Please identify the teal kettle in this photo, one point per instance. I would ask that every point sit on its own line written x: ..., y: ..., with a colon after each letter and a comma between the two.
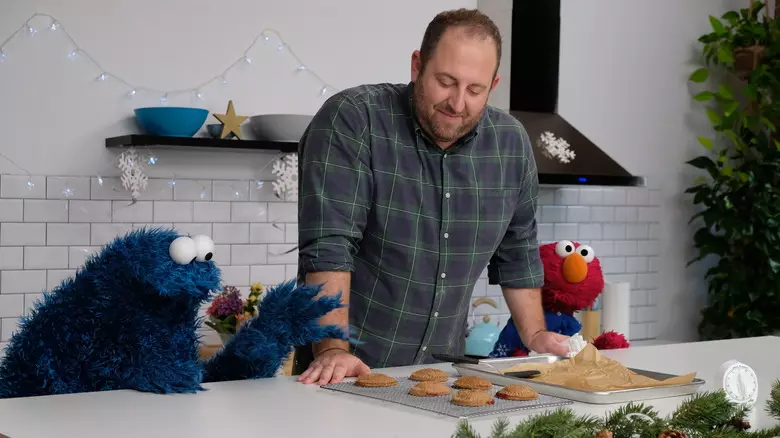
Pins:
x: 482, y: 337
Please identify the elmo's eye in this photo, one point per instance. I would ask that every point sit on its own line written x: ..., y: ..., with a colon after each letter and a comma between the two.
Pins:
x: 204, y: 248
x: 564, y: 248
x: 182, y: 250
x: 587, y: 253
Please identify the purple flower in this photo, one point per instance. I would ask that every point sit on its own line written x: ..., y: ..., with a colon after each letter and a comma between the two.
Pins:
x: 227, y: 303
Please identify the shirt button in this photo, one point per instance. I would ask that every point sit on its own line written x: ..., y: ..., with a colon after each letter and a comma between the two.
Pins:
x: 446, y: 235
x: 424, y: 348
x: 443, y: 275
x: 447, y: 195
x: 436, y: 314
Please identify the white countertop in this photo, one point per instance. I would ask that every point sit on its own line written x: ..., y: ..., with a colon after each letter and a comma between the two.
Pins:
x: 282, y: 407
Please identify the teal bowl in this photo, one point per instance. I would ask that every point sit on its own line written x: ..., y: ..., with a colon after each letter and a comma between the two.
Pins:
x: 170, y: 121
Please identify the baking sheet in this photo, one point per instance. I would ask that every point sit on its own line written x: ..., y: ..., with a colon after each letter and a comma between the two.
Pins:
x: 487, y: 369
x: 443, y: 404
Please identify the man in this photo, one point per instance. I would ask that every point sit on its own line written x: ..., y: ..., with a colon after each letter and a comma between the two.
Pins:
x: 406, y: 194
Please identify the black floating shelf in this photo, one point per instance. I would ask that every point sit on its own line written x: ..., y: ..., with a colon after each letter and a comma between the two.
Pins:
x: 132, y: 140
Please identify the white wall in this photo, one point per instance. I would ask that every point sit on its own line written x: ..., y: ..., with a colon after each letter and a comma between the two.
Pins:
x: 623, y: 83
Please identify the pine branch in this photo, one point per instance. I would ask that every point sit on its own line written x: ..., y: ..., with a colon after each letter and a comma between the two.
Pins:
x: 704, y: 411
x: 773, y: 404
x: 500, y: 428
x: 465, y: 430
x: 634, y: 418
x: 558, y: 423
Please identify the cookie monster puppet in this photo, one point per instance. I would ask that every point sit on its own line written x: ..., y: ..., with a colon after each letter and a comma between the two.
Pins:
x: 128, y: 319
x: 572, y: 281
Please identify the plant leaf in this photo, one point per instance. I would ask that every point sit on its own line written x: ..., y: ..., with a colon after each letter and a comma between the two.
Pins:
x: 714, y: 117
x: 706, y: 142
x: 704, y: 96
x: 724, y: 55
x: 700, y: 75
x: 724, y: 92
x: 717, y: 26
x: 730, y: 107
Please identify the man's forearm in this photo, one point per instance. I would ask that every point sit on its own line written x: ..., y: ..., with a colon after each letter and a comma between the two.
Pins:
x: 333, y: 283
x: 525, y: 306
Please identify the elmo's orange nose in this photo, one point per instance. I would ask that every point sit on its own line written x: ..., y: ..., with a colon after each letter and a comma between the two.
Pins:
x: 575, y: 269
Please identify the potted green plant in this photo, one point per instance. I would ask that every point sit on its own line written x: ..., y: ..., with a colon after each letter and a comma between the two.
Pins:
x: 738, y: 196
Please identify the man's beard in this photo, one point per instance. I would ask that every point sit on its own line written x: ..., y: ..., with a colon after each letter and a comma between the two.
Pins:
x: 439, y: 132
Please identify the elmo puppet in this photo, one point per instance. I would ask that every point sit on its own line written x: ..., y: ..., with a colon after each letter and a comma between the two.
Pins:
x: 572, y: 281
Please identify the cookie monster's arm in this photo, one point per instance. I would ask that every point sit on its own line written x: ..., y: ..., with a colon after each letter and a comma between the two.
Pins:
x: 288, y: 316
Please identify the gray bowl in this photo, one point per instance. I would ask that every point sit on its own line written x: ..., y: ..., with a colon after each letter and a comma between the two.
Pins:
x: 279, y: 127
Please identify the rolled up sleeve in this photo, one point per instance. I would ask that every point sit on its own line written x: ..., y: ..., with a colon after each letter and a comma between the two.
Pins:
x: 335, y: 186
x: 516, y: 263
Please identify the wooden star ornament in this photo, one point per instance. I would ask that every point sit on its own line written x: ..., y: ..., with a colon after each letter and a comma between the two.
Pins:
x: 231, y: 122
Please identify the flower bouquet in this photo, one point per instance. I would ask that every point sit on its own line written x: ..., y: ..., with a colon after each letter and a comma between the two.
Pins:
x: 228, y: 311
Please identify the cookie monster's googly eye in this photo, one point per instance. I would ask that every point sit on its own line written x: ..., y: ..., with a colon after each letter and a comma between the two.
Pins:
x: 587, y: 253
x: 204, y: 248
x: 182, y: 250
x: 564, y: 248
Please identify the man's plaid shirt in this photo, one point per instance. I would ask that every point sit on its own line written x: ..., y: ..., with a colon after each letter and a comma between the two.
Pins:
x: 416, y: 225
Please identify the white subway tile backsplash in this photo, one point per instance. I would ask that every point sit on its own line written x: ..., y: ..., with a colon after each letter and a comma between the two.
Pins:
x: 23, y: 187
x: 16, y: 234
x: 141, y: 211
x: 11, y: 210
x: 11, y: 305
x: 230, y: 233
x: 231, y: 191
x: 49, y: 227
x: 271, y: 233
x: 104, y: 233
x: 11, y: 257
x: 22, y: 282
x: 553, y: 213
x: 59, y: 187
x: 591, y: 196
x: 191, y: 229
x: 249, y: 212
x: 192, y: 190
x: 567, y: 196
x: 45, y: 257
x: 173, y: 211
x: 90, y: 211
x: 211, y: 211
x: 45, y: 210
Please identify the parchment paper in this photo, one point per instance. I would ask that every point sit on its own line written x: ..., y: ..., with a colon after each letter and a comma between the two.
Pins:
x: 591, y: 371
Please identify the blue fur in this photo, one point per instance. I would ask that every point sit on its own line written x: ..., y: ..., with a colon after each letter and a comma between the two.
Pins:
x: 128, y: 319
x: 509, y: 340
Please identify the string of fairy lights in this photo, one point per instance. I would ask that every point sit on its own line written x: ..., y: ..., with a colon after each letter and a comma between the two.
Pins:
x: 267, y: 37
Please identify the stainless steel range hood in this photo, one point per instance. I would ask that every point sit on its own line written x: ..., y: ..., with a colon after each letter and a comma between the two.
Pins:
x: 535, y: 52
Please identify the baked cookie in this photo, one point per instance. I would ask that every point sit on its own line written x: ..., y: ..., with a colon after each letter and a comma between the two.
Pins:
x: 429, y: 389
x: 429, y: 375
x: 472, y: 382
x: 517, y: 392
x: 472, y: 398
x: 375, y: 381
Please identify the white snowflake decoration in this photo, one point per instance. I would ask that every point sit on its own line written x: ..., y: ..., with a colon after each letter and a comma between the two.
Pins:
x: 554, y: 147
x: 133, y: 177
x: 286, y: 171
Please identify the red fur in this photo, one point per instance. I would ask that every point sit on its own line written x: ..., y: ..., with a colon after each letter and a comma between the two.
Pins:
x: 611, y: 340
x: 558, y: 295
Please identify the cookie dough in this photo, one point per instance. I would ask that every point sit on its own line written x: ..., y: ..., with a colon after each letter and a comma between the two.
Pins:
x: 429, y: 375
x: 472, y: 398
x: 517, y: 392
x: 429, y: 389
x: 472, y: 382
x: 375, y: 381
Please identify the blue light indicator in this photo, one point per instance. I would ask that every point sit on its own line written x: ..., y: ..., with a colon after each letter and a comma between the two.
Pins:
x: 582, y: 179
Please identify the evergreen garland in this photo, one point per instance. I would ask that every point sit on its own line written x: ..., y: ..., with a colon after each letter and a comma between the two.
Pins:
x: 702, y: 415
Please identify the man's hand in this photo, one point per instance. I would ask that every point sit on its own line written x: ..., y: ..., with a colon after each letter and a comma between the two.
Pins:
x: 332, y: 366
x: 549, y: 342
